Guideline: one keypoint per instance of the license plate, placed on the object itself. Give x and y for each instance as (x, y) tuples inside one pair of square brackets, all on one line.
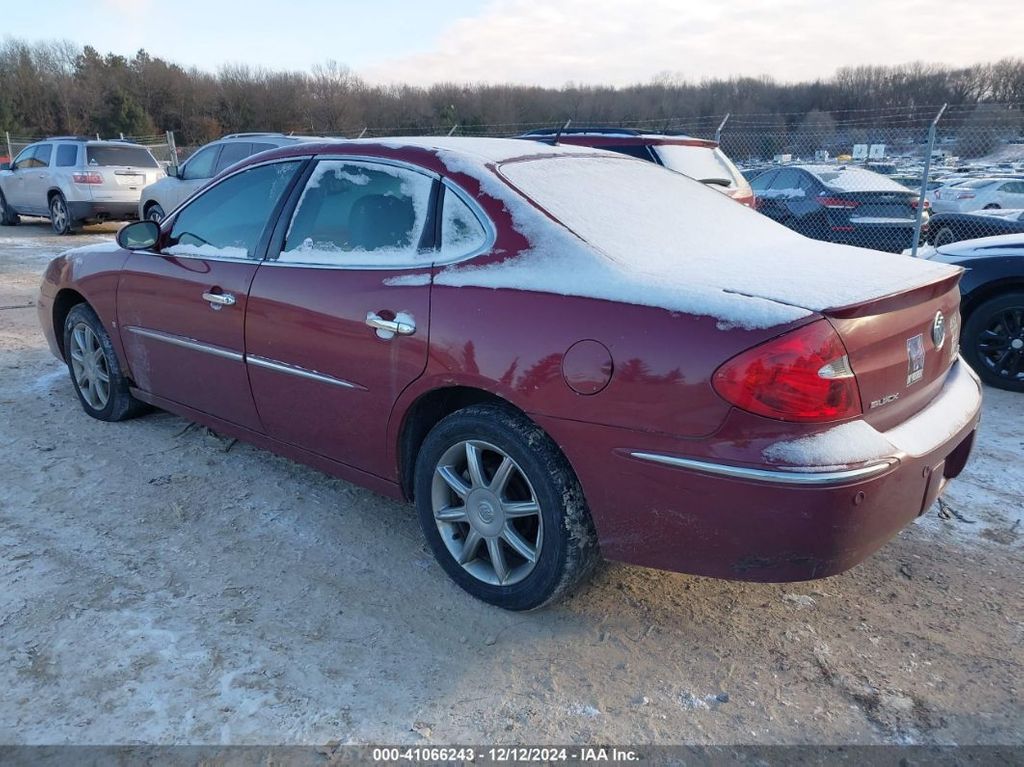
[(915, 359)]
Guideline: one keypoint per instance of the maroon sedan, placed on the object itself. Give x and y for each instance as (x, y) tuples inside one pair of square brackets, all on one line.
[(556, 352)]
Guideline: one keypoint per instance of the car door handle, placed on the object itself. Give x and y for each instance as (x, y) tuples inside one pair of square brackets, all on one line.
[(395, 326), (217, 300)]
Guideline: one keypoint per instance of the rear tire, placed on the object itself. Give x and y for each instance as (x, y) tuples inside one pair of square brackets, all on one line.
[(60, 215), (7, 216), (993, 341), (95, 369), (509, 525)]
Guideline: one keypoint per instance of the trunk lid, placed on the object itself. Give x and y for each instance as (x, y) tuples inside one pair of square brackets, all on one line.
[(882, 206), (901, 347)]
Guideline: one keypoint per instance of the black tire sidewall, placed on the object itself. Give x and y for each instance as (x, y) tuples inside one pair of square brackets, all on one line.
[(976, 323), (7, 216), (120, 404), (939, 240), (552, 480), (153, 207)]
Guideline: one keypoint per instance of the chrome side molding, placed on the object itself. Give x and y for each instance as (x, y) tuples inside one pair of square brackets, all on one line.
[(187, 343), (799, 475), (295, 370)]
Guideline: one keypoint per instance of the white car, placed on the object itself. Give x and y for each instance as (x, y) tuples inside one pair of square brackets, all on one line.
[(979, 194), (159, 199)]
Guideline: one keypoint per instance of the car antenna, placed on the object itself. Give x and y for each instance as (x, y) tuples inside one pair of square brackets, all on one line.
[(558, 134)]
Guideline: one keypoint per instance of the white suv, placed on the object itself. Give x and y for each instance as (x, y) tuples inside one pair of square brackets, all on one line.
[(167, 194), (76, 181)]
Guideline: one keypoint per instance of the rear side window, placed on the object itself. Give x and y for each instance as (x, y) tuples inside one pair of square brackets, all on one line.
[(125, 156), (258, 147), (67, 156), (358, 213), (231, 153), (461, 231), (227, 220), (762, 182)]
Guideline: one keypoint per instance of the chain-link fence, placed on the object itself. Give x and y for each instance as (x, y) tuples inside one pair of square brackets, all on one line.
[(161, 144), (894, 180)]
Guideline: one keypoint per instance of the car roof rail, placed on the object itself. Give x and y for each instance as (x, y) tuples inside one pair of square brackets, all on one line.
[(250, 135), (582, 129), (68, 138)]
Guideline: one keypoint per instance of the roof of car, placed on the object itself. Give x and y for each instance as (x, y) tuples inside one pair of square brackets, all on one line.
[(596, 136), (492, 150)]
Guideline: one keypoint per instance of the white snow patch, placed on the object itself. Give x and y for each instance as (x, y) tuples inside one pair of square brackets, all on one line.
[(841, 445), (207, 251)]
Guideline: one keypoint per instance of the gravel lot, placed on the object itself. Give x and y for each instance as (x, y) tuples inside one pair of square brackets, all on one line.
[(161, 585)]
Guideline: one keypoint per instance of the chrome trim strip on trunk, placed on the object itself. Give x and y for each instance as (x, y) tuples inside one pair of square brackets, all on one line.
[(295, 370), (790, 476), (187, 343)]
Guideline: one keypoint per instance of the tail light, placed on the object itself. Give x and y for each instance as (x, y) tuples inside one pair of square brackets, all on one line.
[(87, 178), (838, 202), (803, 375)]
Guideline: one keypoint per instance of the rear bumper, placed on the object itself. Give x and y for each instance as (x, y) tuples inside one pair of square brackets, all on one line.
[(96, 210), (654, 506)]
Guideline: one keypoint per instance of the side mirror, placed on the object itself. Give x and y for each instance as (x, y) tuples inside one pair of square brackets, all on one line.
[(174, 171), (6, 166), (140, 235)]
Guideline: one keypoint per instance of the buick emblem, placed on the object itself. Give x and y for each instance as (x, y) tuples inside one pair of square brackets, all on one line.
[(939, 330)]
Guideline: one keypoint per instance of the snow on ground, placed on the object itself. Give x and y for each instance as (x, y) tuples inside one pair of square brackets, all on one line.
[(161, 585)]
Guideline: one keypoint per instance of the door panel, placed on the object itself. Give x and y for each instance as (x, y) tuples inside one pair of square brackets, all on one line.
[(321, 377), (178, 345), (182, 310)]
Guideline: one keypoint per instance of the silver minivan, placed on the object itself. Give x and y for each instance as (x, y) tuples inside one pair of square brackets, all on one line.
[(75, 181)]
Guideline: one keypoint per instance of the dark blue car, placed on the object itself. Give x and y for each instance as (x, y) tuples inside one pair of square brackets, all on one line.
[(839, 203), (991, 306), (953, 227)]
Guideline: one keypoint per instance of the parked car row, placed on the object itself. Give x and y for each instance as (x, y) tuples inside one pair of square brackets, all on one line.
[(76, 181), (555, 353)]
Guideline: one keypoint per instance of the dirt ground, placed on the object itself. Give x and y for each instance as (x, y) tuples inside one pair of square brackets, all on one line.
[(160, 585)]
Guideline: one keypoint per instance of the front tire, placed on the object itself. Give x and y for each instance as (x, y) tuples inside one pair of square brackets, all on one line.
[(95, 370), (502, 509), (155, 213), (7, 216), (60, 215), (993, 341)]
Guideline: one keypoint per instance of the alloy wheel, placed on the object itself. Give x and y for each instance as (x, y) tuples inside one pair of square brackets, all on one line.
[(89, 366), (58, 214), (1001, 344), (487, 513)]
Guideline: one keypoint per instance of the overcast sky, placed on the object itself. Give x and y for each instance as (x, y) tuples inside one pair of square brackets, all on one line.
[(545, 42)]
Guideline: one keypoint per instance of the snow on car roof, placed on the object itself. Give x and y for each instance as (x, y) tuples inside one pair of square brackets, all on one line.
[(639, 234)]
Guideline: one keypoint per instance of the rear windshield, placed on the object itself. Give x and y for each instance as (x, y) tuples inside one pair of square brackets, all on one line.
[(134, 156), (700, 162), (856, 180)]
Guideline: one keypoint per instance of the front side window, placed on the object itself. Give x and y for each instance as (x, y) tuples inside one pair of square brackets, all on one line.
[(67, 155), (200, 165), (227, 220), (461, 231), (354, 213), (24, 157), (42, 155)]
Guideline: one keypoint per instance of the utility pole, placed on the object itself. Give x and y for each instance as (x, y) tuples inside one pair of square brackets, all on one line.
[(919, 218)]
